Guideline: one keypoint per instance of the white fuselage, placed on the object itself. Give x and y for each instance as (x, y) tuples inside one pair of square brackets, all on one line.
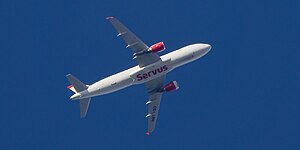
[(137, 75)]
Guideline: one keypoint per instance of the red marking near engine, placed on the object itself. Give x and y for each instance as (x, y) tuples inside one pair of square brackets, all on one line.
[(148, 133), (70, 86), (171, 86), (157, 47)]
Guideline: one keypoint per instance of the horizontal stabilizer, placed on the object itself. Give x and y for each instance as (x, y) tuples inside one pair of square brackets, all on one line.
[(84, 106), (76, 84)]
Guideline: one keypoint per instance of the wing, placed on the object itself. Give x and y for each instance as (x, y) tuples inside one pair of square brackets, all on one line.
[(154, 99), (134, 43)]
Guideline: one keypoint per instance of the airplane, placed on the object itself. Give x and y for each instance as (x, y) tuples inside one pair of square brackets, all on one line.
[(151, 70)]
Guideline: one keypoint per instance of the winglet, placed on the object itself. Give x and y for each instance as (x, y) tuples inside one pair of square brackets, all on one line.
[(109, 17), (148, 133)]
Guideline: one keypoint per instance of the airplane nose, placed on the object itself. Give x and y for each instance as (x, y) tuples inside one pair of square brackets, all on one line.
[(201, 50), (75, 96), (206, 48)]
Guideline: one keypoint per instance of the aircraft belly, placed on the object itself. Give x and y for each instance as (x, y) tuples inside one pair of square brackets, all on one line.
[(111, 84), (151, 72)]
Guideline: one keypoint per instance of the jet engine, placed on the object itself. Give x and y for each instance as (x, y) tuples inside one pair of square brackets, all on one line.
[(172, 86), (157, 47)]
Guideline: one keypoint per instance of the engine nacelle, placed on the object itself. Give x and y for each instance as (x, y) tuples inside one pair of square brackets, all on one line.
[(172, 86), (157, 47)]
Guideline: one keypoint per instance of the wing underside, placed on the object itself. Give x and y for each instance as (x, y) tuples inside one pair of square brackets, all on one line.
[(153, 109), (134, 43), (154, 98)]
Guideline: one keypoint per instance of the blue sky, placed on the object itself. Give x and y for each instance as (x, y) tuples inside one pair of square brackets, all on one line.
[(244, 94)]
